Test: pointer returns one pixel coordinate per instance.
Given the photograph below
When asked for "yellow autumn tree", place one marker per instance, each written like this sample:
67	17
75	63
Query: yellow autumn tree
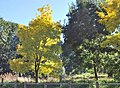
110	17
39	45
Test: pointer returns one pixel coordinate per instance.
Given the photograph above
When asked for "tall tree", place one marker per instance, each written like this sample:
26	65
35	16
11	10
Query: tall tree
83	24
82	38
39	44
110	17
8	42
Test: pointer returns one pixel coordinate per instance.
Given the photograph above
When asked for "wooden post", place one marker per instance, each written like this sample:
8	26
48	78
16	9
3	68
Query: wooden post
15	85
60	85
69	85
2	80
60	78
25	85
45	85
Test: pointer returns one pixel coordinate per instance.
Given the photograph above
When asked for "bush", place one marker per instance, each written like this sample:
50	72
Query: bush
6	86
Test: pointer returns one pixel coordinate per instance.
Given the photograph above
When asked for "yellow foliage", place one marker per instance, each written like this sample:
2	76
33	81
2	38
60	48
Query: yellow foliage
113	40
111	19
112	15
18	65
39	40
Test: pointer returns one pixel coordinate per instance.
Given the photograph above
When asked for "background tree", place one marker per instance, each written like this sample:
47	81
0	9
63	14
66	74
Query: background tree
82	38
39	45
83	24
8	42
110	17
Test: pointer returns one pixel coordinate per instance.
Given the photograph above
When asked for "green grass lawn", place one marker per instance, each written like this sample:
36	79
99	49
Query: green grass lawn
77	79
87	77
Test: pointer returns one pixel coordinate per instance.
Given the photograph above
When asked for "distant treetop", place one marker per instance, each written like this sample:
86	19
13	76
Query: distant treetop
96	2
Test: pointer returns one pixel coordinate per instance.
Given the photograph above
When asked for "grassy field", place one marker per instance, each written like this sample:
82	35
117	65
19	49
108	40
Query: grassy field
76	79
85	77
73	85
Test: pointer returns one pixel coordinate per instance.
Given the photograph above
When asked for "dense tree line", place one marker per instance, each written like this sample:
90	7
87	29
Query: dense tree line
91	42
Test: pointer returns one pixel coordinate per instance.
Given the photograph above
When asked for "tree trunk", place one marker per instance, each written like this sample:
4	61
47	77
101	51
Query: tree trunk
96	76
60	77
104	70
36	76
110	73
37	65
97	84
36	71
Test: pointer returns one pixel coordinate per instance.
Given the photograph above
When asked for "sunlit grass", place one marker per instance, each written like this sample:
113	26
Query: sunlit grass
85	77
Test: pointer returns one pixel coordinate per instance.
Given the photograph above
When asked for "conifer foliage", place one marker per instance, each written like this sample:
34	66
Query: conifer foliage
8	42
83	24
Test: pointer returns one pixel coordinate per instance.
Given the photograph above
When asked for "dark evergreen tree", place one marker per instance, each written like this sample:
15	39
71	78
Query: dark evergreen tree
8	42
83	24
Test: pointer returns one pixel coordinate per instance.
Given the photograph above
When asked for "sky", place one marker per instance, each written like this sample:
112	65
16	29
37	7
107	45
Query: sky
22	11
